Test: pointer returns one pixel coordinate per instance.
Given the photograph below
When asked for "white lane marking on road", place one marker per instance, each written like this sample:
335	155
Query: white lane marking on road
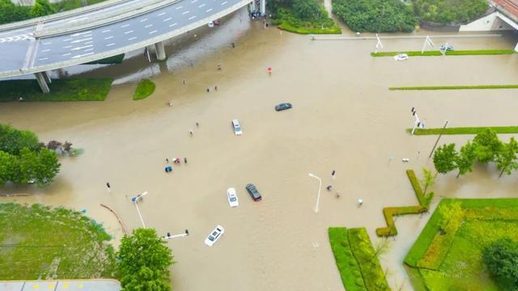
167	19
45	50
81	47
42	59
224	3
192	17
148	26
174	24
179	7
81	40
151	32
67	54
105	31
194	1
110	44
83	55
132	38
128	32
109	37
81	33
88	50
76	20
124	25
201	5
208	10
161	13
67	39
89	42
185	12
143	20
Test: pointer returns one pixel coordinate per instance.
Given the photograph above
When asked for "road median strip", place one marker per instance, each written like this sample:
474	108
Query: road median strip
455	87
464	130
438	53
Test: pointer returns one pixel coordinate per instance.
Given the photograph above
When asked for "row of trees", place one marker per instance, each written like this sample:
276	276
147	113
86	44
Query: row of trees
375	15
485	148
449	11
143	261
10	12
24	159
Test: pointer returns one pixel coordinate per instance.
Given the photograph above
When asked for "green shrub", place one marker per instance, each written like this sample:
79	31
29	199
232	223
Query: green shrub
286	18
144	89
449	11
375	15
390	212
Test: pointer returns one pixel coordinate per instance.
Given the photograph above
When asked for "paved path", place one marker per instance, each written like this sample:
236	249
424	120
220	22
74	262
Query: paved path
62	285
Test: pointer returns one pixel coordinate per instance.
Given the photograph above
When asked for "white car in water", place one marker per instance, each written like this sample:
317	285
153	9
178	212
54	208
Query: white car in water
237	127
233	201
401	57
214	235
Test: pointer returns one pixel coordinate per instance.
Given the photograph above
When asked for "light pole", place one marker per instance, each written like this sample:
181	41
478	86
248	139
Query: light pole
319	187
135	201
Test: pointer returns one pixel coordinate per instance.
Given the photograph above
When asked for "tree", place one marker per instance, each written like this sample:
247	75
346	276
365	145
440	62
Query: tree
144	261
501	259
307	10
7	165
12	140
487	146
427	182
506	159
444	158
41	8
47	167
465	159
452	216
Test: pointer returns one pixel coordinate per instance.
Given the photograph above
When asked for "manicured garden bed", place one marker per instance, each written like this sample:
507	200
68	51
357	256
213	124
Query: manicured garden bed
464	130
452	260
40	242
144	89
356	259
60	90
448	53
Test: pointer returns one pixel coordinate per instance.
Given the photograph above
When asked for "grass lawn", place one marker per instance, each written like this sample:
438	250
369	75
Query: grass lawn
448	53
464	130
456	87
39	242
60	90
144	89
453	261
356	260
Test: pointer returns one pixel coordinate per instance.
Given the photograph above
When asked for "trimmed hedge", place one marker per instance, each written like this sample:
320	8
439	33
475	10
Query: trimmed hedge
464	130
356	259
390	212
448	53
144	89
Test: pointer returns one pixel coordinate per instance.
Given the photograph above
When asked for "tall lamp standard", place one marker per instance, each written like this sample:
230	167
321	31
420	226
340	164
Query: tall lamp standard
135	201
319	187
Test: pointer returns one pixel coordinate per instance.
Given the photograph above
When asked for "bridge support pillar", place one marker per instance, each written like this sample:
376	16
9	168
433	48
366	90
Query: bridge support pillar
47	78
42	82
160	51
252	7
262	8
516	47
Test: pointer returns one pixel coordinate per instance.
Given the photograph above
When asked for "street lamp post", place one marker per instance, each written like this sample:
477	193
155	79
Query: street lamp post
135	201
319	187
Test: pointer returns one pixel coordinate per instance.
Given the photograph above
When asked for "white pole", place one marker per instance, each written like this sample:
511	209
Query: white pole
140	215
319	188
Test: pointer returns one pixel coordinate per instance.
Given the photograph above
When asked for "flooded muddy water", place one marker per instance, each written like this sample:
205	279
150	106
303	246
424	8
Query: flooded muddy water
344	119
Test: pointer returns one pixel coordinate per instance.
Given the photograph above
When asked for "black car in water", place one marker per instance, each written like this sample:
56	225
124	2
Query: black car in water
252	190
283	106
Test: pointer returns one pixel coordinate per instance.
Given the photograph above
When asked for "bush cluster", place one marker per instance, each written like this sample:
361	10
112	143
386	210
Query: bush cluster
356	259
23	159
375	15
501	259
302	16
485	148
449	11
10	12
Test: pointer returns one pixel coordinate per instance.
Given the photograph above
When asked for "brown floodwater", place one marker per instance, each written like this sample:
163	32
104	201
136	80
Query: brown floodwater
344	119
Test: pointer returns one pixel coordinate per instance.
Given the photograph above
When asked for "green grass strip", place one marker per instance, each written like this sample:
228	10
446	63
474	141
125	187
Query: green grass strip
464	130
60	90
456	87
448	53
144	89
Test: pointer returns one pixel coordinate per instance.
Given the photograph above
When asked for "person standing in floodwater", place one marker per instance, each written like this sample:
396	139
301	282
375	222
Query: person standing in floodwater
185	160
109	186
269	71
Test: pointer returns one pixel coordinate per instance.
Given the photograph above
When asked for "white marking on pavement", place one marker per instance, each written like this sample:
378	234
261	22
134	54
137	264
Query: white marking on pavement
151	32
171	25
81	47
46	42
128	32
45	50
161	13
192	17
109	37
90	49
110	44
132	38
143	20
148	26
81	33
83	55
185	12
81	40
67	39
167	19
208	10
201	6
224	3
88	42
105	31
179	7
67	54
124	25
42	59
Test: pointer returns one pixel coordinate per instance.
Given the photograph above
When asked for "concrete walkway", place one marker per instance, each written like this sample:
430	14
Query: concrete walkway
62	285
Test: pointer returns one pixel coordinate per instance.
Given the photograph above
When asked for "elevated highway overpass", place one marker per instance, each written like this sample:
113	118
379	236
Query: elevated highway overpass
104	30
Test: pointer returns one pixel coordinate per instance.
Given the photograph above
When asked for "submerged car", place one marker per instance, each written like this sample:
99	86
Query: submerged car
401	57
233	201
446	47
237	127
283	106
252	190
214	235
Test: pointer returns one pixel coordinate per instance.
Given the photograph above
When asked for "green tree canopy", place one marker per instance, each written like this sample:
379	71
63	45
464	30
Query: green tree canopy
444	158
308	10
506	159
449	11
501	259
465	159
487	146
12	140
144	261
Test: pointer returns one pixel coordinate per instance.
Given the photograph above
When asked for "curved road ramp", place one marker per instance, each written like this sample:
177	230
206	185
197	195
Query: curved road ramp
62	285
